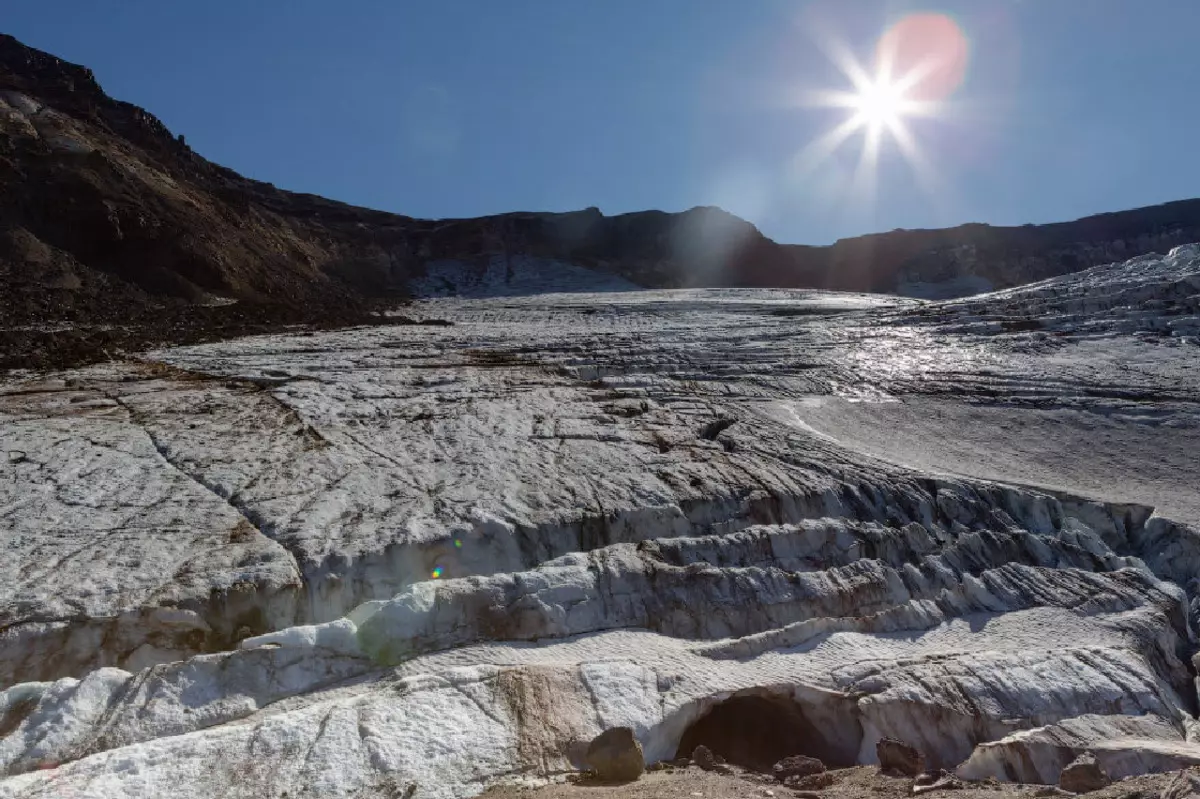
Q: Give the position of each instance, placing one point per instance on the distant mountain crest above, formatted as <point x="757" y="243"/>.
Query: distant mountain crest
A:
<point x="107" y="217"/>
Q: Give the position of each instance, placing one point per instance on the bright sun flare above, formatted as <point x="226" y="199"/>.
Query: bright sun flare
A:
<point x="880" y="103"/>
<point x="918" y="63"/>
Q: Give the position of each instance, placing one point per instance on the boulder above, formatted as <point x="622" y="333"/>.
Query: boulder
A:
<point x="899" y="757"/>
<point x="616" y="756"/>
<point x="797" y="766"/>
<point x="703" y="757"/>
<point x="1083" y="775"/>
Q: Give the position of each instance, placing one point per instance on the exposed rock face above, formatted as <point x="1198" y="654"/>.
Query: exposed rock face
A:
<point x="899" y="757"/>
<point x="114" y="235"/>
<point x="417" y="560"/>
<point x="1083" y="775"/>
<point x="616" y="756"/>
<point x="999" y="257"/>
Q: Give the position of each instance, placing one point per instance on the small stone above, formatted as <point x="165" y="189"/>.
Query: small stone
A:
<point x="768" y="792"/>
<point x="682" y="762"/>
<point x="929" y="777"/>
<point x="948" y="782"/>
<point x="1083" y="775"/>
<point x="813" y="782"/>
<point x="702" y="756"/>
<point x="616" y="756"/>
<point x="797" y="766"/>
<point x="806" y="795"/>
<point x="897" y="756"/>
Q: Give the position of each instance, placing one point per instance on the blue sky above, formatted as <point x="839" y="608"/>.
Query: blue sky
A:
<point x="437" y="108"/>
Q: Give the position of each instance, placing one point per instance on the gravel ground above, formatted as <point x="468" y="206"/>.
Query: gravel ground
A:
<point x="861" y="782"/>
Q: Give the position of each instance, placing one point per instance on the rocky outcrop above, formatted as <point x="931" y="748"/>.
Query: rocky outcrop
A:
<point x="1083" y="775"/>
<point x="899" y="757"/>
<point x="1002" y="257"/>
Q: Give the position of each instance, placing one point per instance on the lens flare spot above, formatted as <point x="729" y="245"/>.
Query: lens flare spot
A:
<point x="437" y="573"/>
<point x="458" y="543"/>
<point x="927" y="52"/>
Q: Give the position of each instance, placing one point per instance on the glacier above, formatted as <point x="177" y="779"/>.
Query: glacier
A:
<point x="421" y="560"/>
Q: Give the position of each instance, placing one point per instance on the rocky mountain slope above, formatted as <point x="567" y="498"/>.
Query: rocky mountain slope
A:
<point x="115" y="235"/>
<point x="419" y="561"/>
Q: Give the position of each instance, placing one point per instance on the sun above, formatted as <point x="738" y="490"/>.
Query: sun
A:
<point x="918" y="63"/>
<point x="881" y="103"/>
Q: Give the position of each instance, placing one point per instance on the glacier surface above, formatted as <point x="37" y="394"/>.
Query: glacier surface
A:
<point x="416" y="561"/>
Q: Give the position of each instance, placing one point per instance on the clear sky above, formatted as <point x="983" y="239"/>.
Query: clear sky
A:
<point x="437" y="108"/>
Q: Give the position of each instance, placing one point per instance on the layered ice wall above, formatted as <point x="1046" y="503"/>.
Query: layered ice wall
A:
<point x="415" y="561"/>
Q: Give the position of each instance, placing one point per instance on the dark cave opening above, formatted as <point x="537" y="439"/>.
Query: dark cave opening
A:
<point x="755" y="732"/>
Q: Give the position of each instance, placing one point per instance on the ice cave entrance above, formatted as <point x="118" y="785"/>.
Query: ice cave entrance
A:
<point x="757" y="731"/>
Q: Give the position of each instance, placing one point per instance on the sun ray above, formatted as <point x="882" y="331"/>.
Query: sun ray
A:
<point x="868" y="163"/>
<point x="816" y="152"/>
<point x="926" y="175"/>
<point x="840" y="54"/>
